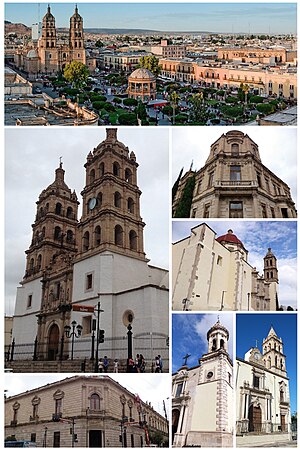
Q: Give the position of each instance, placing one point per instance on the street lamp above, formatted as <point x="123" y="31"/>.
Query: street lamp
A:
<point x="73" y="334"/>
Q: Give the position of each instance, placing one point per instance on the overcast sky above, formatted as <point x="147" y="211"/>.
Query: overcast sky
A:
<point x="257" y="236"/>
<point x="31" y="157"/>
<point x="149" y="387"/>
<point x="214" y="16"/>
<point x="277" y="148"/>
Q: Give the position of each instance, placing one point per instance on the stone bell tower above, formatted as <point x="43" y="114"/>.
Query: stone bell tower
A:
<point x="111" y="201"/>
<point x="76" y="37"/>
<point x="273" y="355"/>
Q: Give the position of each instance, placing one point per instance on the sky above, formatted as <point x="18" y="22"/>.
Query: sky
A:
<point x="252" y="327"/>
<point x="150" y="388"/>
<point x="31" y="157"/>
<point x="273" y="18"/>
<point x="189" y="336"/>
<point x="277" y="148"/>
<point x="257" y="237"/>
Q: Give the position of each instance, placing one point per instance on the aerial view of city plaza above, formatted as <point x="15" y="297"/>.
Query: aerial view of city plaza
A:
<point x="100" y="64"/>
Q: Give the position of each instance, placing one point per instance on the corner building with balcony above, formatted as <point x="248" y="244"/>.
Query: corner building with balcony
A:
<point x="234" y="183"/>
<point x="98" y="408"/>
<point x="75" y="264"/>
<point x="262" y="396"/>
<point x="202" y="397"/>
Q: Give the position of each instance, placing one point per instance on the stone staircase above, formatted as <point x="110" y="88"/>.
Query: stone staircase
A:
<point x="75" y="366"/>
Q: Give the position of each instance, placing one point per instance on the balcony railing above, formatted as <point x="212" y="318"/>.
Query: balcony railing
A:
<point x="244" y="426"/>
<point x="236" y="183"/>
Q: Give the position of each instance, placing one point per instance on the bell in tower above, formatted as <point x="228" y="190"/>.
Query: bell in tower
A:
<point x="48" y="39"/>
<point x="111" y="201"/>
<point x="76" y="37"/>
<point x="273" y="355"/>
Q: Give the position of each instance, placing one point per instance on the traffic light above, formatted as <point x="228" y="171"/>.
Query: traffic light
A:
<point x="101" y="336"/>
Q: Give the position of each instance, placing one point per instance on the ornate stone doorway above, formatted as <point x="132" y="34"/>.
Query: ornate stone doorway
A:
<point x="53" y="342"/>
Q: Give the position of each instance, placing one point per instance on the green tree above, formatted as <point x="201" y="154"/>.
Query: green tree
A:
<point x="76" y="73"/>
<point x="265" y="108"/>
<point x="99" y="44"/>
<point x="185" y="202"/>
<point x="141" y="112"/>
<point x="174" y="100"/>
<point x="198" y="111"/>
<point x="130" y="102"/>
<point x="127" y="119"/>
<point x="176" y="184"/>
<point x="151" y="63"/>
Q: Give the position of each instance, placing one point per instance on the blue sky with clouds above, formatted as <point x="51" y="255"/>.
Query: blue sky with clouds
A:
<point x="252" y="327"/>
<point x="189" y="336"/>
<point x="214" y="17"/>
<point x="257" y="236"/>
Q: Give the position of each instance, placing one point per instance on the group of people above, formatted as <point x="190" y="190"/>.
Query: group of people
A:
<point x="104" y="363"/>
<point x="137" y="365"/>
<point x="134" y="365"/>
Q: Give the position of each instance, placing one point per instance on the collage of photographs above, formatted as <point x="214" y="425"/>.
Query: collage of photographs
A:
<point x="156" y="146"/>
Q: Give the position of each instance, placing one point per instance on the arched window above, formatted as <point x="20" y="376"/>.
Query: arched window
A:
<point x="86" y="241"/>
<point x="276" y="361"/>
<point x="99" y="199"/>
<point x="70" y="237"/>
<point x="58" y="209"/>
<point x="39" y="262"/>
<point x="222" y="343"/>
<point x="128" y="176"/>
<point x="269" y="363"/>
<point x="31" y="264"/>
<point x="117" y="199"/>
<point x="101" y="169"/>
<point x="95" y="402"/>
<point x="97" y="236"/>
<point x="235" y="149"/>
<point x="70" y="213"/>
<point x="92" y="176"/>
<point x="57" y="233"/>
<point x="214" y="346"/>
<point x="130" y="205"/>
<point x="132" y="240"/>
<point x="116" y="169"/>
<point x="118" y="235"/>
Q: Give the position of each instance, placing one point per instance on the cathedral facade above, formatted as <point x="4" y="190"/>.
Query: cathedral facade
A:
<point x="50" y="55"/>
<point x="262" y="397"/>
<point x="212" y="273"/>
<point x="73" y="266"/>
<point x="202" y="397"/>
<point x="233" y="183"/>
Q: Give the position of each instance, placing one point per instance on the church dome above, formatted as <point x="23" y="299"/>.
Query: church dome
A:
<point x="218" y="326"/>
<point x="229" y="238"/>
<point x="32" y="53"/>
<point x="142" y="74"/>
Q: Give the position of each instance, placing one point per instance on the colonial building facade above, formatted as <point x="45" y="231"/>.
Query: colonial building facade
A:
<point x="234" y="183"/>
<point x="82" y="412"/>
<point x="202" y="397"/>
<point x="212" y="273"/>
<point x="49" y="55"/>
<point x="263" y="400"/>
<point x="73" y="265"/>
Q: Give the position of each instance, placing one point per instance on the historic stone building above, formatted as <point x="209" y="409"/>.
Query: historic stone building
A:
<point x="49" y="55"/>
<point x="234" y="183"/>
<point x="75" y="264"/>
<point x="263" y="400"/>
<point x="261" y="78"/>
<point x="202" y="397"/>
<point x="212" y="273"/>
<point x="82" y="411"/>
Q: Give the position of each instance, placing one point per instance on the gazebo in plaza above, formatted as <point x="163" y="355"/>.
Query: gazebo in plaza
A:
<point x="142" y="85"/>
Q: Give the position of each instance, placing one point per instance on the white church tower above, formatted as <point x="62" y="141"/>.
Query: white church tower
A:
<point x="202" y="409"/>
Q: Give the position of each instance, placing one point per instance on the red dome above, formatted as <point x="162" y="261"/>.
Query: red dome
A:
<point x="230" y="238"/>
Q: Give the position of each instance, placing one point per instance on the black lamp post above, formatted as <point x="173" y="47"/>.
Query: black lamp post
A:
<point x="73" y="334"/>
